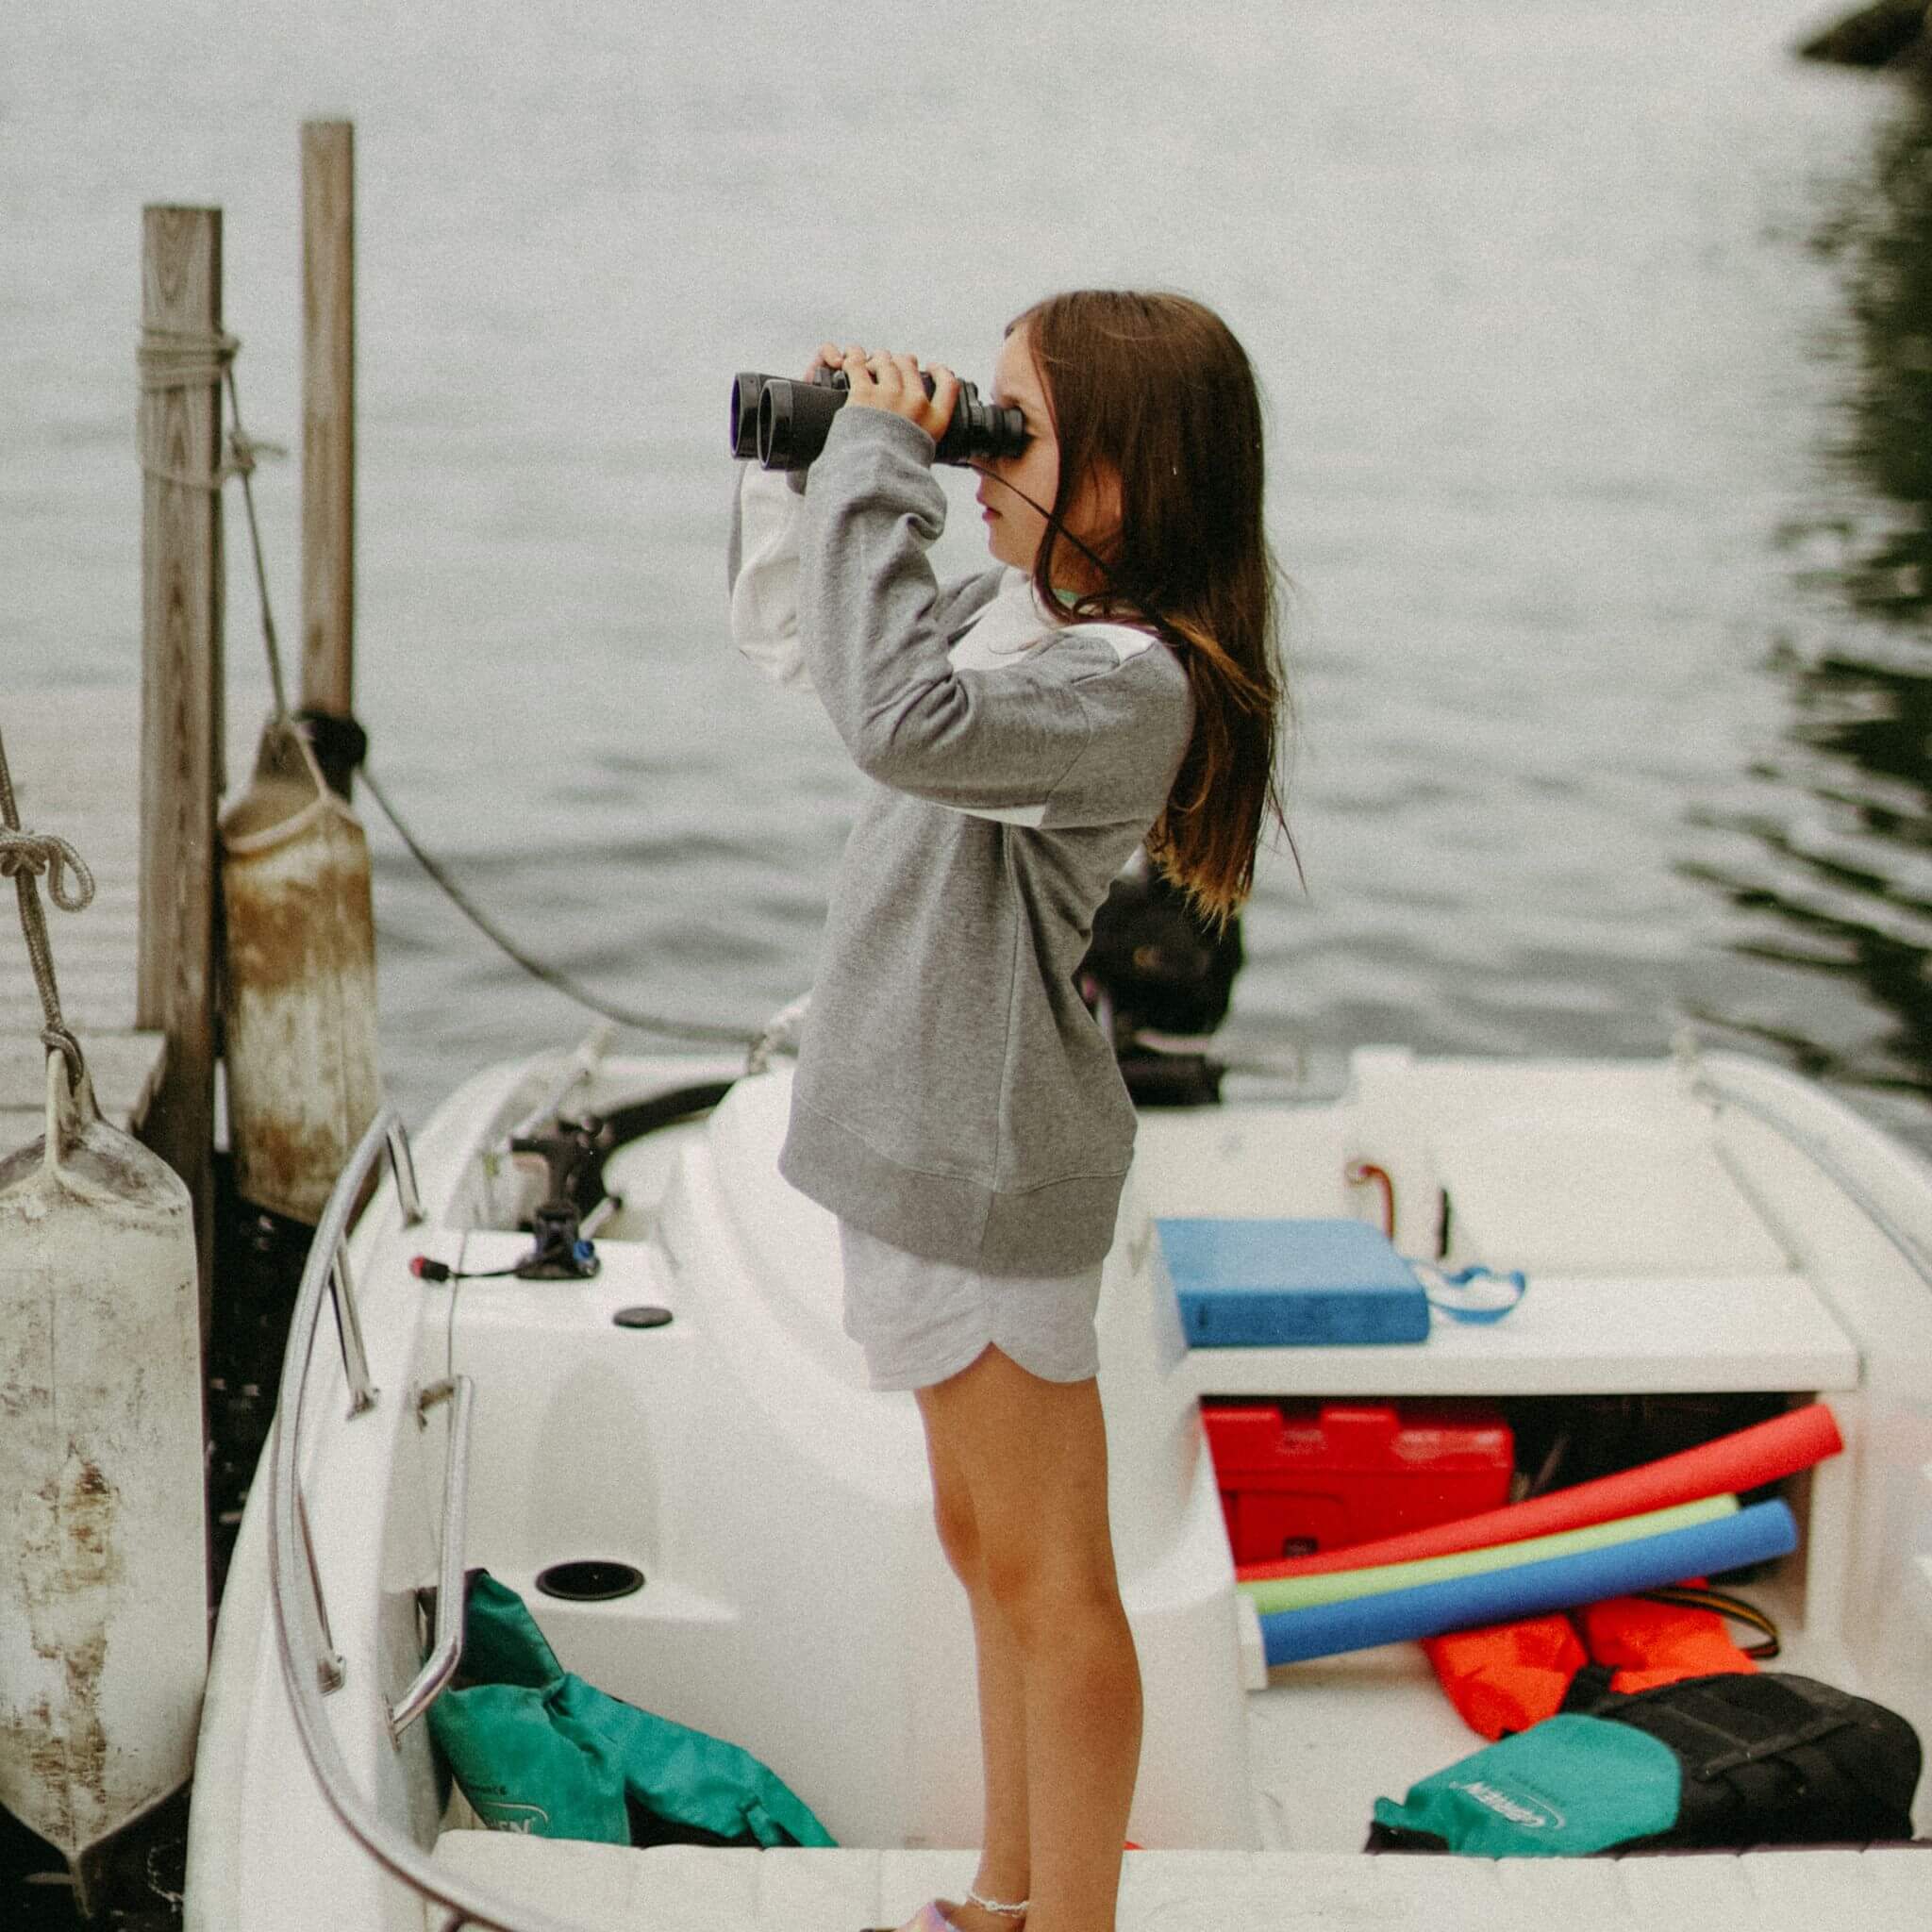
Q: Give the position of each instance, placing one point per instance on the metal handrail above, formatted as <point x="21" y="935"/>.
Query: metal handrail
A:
<point x="402" y="1166"/>
<point x="447" y="1652"/>
<point x="1708" y="1084"/>
<point x="331" y="1672"/>
<point x="292" y="1579"/>
<point x="362" y="1391"/>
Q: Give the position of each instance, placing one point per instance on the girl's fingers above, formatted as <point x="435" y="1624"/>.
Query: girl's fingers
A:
<point x="873" y="379"/>
<point x="931" y="412"/>
<point x="946" y="397"/>
<point x="892" y="382"/>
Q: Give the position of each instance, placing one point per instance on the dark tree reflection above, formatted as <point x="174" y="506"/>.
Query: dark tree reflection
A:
<point x="1845" y="888"/>
<point x="1886" y="248"/>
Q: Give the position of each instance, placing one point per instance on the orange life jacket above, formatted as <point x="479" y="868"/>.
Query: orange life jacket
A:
<point x="1648" y="1643"/>
<point x="1508" y="1676"/>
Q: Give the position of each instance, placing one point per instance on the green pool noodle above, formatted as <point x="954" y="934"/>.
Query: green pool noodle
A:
<point x="1338" y="1586"/>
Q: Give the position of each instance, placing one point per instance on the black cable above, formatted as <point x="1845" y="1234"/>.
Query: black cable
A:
<point x="426" y="1268"/>
<point x="1059" y="529"/>
<point x="551" y="976"/>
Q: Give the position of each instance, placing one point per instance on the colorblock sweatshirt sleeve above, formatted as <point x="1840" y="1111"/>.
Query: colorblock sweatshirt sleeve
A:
<point x="1087" y="731"/>
<point x="761" y="568"/>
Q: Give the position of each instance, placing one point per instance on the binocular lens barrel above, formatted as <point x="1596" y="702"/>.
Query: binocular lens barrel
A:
<point x="746" y="389"/>
<point x="794" y="421"/>
<point x="784" y="424"/>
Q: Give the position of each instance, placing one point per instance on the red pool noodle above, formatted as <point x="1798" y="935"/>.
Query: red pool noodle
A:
<point x="1760" y="1454"/>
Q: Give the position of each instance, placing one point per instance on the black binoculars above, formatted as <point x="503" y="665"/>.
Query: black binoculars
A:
<point x="783" y="423"/>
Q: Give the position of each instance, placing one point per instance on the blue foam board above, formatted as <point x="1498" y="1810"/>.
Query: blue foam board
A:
<point x="1289" y="1282"/>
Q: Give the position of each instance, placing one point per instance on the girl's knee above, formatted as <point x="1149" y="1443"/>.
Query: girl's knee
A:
<point x="959" y="1531"/>
<point x="1047" y="1600"/>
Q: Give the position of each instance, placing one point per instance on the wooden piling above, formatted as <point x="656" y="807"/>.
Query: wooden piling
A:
<point x="328" y="432"/>
<point x="181" y="750"/>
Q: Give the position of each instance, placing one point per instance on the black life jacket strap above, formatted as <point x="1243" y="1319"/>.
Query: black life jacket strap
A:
<point x="1701" y="1596"/>
<point x="1720" y="1724"/>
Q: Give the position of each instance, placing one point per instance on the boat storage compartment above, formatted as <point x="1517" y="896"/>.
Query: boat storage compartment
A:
<point x="1298" y="1477"/>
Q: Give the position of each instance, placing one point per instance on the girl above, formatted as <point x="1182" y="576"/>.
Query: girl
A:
<point x="1115" y="680"/>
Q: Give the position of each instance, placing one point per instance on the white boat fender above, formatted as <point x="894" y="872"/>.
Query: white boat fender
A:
<point x="303" y="1078"/>
<point x="104" y="1591"/>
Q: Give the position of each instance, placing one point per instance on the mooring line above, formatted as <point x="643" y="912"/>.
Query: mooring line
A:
<point x="24" y="855"/>
<point x="185" y="359"/>
<point x="553" y="976"/>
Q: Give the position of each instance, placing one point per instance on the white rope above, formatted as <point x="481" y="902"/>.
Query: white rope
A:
<point x="24" y="857"/>
<point x="36" y="854"/>
<point x="174" y="359"/>
<point x="245" y="450"/>
<point x="783" y="1033"/>
<point x="171" y="359"/>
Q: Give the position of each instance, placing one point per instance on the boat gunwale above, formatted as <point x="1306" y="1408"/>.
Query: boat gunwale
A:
<point x="395" y="1852"/>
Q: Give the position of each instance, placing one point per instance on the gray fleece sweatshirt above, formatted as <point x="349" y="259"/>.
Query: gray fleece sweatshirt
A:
<point x="953" y="1096"/>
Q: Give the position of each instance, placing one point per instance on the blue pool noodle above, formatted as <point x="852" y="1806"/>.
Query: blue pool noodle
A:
<point x="1557" y="1583"/>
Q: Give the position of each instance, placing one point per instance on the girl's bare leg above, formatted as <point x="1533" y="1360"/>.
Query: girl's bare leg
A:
<point x="1005" y="1869"/>
<point x="1020" y="1482"/>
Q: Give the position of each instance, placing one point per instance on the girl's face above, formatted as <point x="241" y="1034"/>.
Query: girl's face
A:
<point x="1014" y="526"/>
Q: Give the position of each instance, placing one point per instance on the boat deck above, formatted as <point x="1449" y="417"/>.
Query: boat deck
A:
<point x="75" y="761"/>
<point x="1328" y="1738"/>
<point x="679" y="1889"/>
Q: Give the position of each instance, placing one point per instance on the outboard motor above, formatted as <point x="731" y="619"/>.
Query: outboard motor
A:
<point x="1161" y="978"/>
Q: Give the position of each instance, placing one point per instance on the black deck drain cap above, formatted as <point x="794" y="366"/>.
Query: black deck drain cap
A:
<point x="646" y="1315"/>
<point x="589" y="1581"/>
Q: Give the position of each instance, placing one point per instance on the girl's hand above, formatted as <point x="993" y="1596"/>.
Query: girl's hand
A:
<point x="893" y="383"/>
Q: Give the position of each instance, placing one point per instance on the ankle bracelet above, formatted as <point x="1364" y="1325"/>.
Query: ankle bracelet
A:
<point x="994" y="1904"/>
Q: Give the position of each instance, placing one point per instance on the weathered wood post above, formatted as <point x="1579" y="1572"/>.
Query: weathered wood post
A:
<point x="299" y="1010"/>
<point x="183" y="354"/>
<point x="329" y="437"/>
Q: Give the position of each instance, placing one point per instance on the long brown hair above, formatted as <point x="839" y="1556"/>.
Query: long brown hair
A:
<point x="1155" y="388"/>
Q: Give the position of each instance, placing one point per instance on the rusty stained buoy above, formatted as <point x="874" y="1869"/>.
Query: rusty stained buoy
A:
<point x="103" y="1519"/>
<point x="299" y="987"/>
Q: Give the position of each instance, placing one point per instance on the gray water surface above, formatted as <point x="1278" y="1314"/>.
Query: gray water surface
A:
<point x="1598" y="344"/>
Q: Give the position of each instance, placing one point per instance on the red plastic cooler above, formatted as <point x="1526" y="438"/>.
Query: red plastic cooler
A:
<point x="1298" y="1477"/>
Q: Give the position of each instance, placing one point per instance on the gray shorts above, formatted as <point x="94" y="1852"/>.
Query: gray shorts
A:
<point x="920" y="1321"/>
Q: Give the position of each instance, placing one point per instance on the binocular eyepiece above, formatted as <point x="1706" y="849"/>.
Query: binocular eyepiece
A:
<point x="784" y="424"/>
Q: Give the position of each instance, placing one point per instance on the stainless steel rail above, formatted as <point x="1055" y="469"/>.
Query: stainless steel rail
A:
<point x="446" y="1653"/>
<point x="295" y="1587"/>
<point x="363" y="1393"/>
<point x="1708" y="1084"/>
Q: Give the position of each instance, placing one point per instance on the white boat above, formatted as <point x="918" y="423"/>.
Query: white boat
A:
<point x="1693" y="1225"/>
